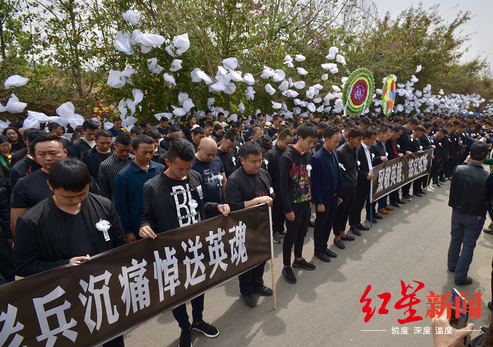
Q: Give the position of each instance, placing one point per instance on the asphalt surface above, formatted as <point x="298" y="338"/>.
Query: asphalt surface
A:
<point x="323" y="308"/>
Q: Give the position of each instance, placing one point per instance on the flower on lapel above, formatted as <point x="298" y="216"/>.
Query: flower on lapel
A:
<point x="103" y="225"/>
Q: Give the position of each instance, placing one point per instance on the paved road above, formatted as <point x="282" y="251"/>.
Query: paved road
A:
<point x="323" y="308"/>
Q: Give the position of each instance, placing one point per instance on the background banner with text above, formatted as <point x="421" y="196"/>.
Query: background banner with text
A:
<point x="90" y="303"/>
<point x="398" y="172"/>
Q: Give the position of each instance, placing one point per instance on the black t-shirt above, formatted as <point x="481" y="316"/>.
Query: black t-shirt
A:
<point x="77" y="236"/>
<point x="212" y="183"/>
<point x="182" y="200"/>
<point x="18" y="146"/>
<point x="230" y="161"/>
<point x="30" y="190"/>
<point x="163" y="131"/>
<point x="34" y="188"/>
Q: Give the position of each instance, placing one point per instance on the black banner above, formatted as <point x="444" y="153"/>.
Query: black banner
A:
<point x="95" y="301"/>
<point x="398" y="172"/>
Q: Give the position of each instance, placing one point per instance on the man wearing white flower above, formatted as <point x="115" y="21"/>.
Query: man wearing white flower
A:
<point x="174" y="199"/>
<point x="69" y="227"/>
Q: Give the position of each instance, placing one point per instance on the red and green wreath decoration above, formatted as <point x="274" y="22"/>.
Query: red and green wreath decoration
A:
<point x="388" y="95"/>
<point x="358" y="92"/>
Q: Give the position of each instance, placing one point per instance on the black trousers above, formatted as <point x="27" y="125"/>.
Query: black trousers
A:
<point x="394" y="196"/>
<point x="296" y="232"/>
<point x="116" y="342"/>
<point x="362" y="195"/>
<point x="406" y="188"/>
<point x="6" y="261"/>
<point x="343" y="210"/>
<point x="278" y="215"/>
<point x="323" y="226"/>
<point x="5" y="213"/>
<point x="251" y="279"/>
<point x="181" y="315"/>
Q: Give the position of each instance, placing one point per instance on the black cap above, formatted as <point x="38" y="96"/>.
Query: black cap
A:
<point x="479" y="150"/>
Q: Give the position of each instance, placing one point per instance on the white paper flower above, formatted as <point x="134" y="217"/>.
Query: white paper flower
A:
<point x="15" y="81"/>
<point x="269" y="89"/>
<point x="193" y="204"/>
<point x="175" y="65"/>
<point x="299" y="57"/>
<point x="332" y="53"/>
<point x="132" y="17"/>
<point x="103" y="225"/>
<point x="301" y="71"/>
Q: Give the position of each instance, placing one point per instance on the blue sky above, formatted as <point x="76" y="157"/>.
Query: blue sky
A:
<point x="479" y="26"/>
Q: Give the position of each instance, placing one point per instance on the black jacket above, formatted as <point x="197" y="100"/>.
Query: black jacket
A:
<point x="159" y="205"/>
<point x="348" y="162"/>
<point x="377" y="151"/>
<point x="40" y="242"/>
<point x="363" y="167"/>
<point x="404" y="141"/>
<point x="241" y="187"/>
<point x="78" y="147"/>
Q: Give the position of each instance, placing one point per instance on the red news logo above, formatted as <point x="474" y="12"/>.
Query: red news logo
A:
<point x="435" y="305"/>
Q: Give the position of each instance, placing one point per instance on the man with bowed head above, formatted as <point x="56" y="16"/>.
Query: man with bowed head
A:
<point x="250" y="185"/>
<point x="174" y="199"/>
<point x="328" y="188"/>
<point x="66" y="227"/>
<point x="295" y="168"/>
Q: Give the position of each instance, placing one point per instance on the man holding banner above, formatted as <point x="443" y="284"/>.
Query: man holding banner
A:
<point x="66" y="228"/>
<point x="248" y="186"/>
<point x="172" y="200"/>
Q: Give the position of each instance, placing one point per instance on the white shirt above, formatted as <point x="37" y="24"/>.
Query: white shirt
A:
<point x="368" y="156"/>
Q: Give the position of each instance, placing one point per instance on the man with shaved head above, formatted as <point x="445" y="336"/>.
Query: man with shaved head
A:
<point x="211" y="169"/>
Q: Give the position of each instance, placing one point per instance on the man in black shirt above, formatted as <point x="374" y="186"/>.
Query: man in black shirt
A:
<point x="47" y="149"/>
<point x="404" y="142"/>
<point x="248" y="186"/>
<point x="59" y="130"/>
<point x="198" y="134"/>
<point x="348" y="162"/>
<point x="89" y="128"/>
<point x="272" y="130"/>
<point x="227" y="153"/>
<point x="95" y="156"/>
<point x="166" y="207"/>
<point x="163" y="126"/>
<point x="212" y="171"/>
<point x="63" y="229"/>
<point x="187" y="130"/>
<point x="274" y="159"/>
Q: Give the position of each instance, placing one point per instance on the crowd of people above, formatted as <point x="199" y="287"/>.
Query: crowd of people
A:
<point x="151" y="179"/>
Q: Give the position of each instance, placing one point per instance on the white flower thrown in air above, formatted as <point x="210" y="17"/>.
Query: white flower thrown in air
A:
<point x="103" y="225"/>
<point x="193" y="204"/>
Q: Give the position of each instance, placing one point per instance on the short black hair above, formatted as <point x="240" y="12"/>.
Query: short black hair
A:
<point x="90" y="124"/>
<point x="142" y="139"/>
<point x="181" y="149"/>
<point x="338" y="121"/>
<point x="229" y="135"/>
<point x="250" y="148"/>
<point x="413" y="121"/>
<point x="69" y="174"/>
<point x="144" y="123"/>
<point x="382" y="129"/>
<point x="176" y="136"/>
<point x="220" y="114"/>
<point x="4" y="139"/>
<point x="217" y="127"/>
<point x="323" y="125"/>
<point x="330" y="131"/>
<point x="398" y="128"/>
<point x="51" y="127"/>
<point x="164" y="119"/>
<point x="285" y="133"/>
<point x="44" y="137"/>
<point x="369" y="133"/>
<point x="307" y="130"/>
<point x="355" y="132"/>
<point x="275" y="117"/>
<point x="208" y="123"/>
<point x="198" y="130"/>
<point x="420" y="128"/>
<point x="123" y="139"/>
<point x="190" y="117"/>
<point x="116" y="119"/>
<point x="208" y="111"/>
<point x="102" y="132"/>
<point x="136" y="131"/>
<point x="264" y="141"/>
<point x="30" y="134"/>
<point x="443" y="131"/>
<point x="173" y="128"/>
<point x="154" y="133"/>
